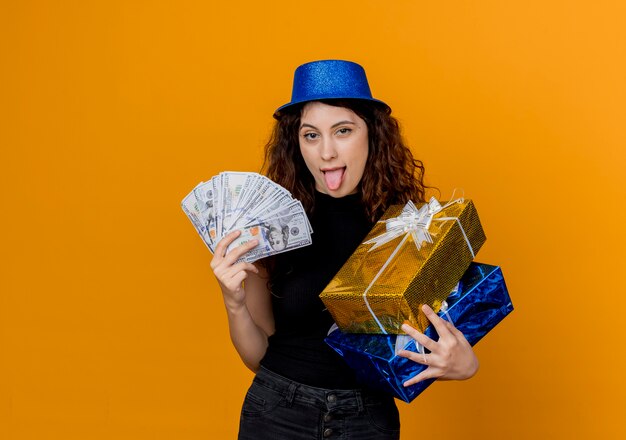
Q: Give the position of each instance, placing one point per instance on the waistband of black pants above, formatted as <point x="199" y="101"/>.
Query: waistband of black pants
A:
<point x="350" y="399"/>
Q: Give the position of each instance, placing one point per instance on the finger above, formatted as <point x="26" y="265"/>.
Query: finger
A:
<point x="419" y="358"/>
<point x="453" y="329"/>
<point x="419" y="336"/>
<point x="236" y="268"/>
<point x="234" y="283"/>
<point x="220" y="249"/>
<point x="239" y="251"/>
<point x="428" y="373"/>
<point x="449" y="324"/>
<point x="225" y="273"/>
<point x="238" y="278"/>
<point x="436" y="321"/>
<point x="252" y="268"/>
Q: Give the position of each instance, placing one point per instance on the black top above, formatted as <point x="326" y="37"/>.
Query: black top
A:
<point x="297" y="349"/>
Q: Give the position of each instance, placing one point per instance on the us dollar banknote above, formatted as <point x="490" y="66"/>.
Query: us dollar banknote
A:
<point x="258" y="207"/>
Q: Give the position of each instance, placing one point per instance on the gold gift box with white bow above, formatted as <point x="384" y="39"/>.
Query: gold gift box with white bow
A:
<point x="412" y="256"/>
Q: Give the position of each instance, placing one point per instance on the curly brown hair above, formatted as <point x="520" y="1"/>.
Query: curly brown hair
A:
<point x="391" y="176"/>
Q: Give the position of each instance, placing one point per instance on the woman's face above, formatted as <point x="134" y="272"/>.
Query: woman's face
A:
<point x="334" y="145"/>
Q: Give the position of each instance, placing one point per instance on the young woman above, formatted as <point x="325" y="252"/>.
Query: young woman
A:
<point x="339" y="151"/>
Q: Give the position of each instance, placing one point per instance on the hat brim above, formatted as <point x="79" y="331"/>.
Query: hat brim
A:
<point x="278" y="111"/>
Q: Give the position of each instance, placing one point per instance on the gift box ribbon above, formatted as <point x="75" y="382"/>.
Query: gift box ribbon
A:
<point x="415" y="223"/>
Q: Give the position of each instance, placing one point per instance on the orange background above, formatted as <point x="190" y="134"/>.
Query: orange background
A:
<point x="111" y="324"/>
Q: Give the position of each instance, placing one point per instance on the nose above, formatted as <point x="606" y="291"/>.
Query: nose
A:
<point x="328" y="149"/>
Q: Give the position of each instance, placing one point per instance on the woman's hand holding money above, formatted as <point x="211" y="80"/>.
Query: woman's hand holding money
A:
<point x="450" y="357"/>
<point x="250" y="318"/>
<point x="230" y="274"/>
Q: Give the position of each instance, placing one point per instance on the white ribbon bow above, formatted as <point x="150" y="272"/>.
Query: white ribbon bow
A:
<point x="411" y="220"/>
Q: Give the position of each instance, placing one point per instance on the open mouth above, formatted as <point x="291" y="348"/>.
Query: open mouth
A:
<point x="333" y="177"/>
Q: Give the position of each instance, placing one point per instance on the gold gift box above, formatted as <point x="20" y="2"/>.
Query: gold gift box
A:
<point x="382" y="286"/>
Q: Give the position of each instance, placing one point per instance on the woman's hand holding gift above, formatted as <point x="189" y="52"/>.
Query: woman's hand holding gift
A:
<point x="451" y="357"/>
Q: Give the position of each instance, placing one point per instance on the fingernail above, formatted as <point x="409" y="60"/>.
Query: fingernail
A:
<point x="405" y="327"/>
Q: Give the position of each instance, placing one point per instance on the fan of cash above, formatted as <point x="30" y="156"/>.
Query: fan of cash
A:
<point x="252" y="203"/>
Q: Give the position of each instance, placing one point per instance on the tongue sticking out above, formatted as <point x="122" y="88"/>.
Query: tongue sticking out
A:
<point x="333" y="178"/>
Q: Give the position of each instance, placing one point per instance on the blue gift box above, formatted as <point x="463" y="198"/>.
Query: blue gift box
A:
<point x="480" y="302"/>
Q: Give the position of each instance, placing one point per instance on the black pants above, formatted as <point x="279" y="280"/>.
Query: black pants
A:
<point x="277" y="408"/>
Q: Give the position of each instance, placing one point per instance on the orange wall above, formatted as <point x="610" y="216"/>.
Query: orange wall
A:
<point x="111" y="324"/>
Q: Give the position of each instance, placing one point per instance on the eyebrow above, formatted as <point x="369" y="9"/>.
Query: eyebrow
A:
<point x="332" y="126"/>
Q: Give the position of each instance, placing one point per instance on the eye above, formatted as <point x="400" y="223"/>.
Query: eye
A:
<point x="344" y="130"/>
<point x="311" y="136"/>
